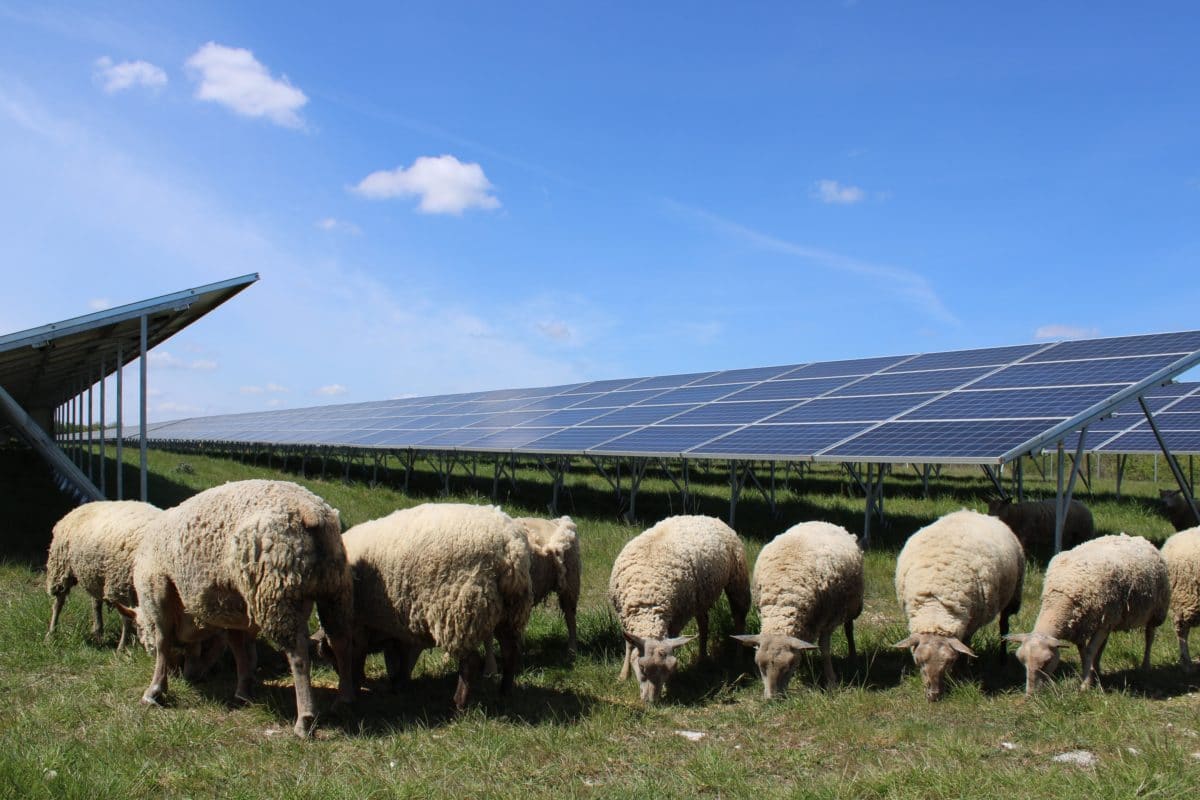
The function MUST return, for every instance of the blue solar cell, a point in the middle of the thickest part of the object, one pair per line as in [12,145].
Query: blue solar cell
[782,441]
[663,439]
[638,415]
[747,375]
[919,440]
[558,401]
[446,421]
[692,394]
[564,418]
[672,381]
[893,382]
[1056,403]
[1075,373]
[1142,441]
[575,440]
[789,389]
[454,438]
[731,413]
[618,399]
[604,386]
[1177,420]
[988,357]
[508,419]
[509,439]
[1174,343]
[852,409]
[1185,404]
[485,406]
[857,366]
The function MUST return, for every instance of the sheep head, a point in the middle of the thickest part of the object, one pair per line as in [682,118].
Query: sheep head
[934,655]
[777,657]
[655,663]
[1038,653]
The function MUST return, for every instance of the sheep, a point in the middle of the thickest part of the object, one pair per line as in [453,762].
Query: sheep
[1114,583]
[952,577]
[665,576]
[1175,506]
[444,575]
[807,581]
[1182,554]
[94,545]
[1033,522]
[246,557]
[554,566]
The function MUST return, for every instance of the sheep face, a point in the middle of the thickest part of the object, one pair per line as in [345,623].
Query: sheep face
[934,655]
[1038,653]
[655,663]
[777,657]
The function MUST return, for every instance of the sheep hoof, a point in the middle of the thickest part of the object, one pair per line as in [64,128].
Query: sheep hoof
[154,700]
[243,698]
[304,725]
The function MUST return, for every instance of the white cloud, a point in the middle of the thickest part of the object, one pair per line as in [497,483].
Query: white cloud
[233,77]
[99,304]
[275,387]
[444,184]
[251,390]
[270,388]
[332,390]
[1058,331]
[118,77]
[555,329]
[832,192]
[164,359]
[338,225]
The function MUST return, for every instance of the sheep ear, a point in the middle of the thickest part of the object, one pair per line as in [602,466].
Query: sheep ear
[126,611]
[905,644]
[678,641]
[1016,638]
[747,639]
[636,641]
[1053,642]
[799,645]
[960,647]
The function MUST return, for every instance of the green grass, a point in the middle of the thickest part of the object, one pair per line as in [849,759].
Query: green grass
[70,724]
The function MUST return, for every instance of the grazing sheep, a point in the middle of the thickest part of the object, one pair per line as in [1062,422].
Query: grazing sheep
[1114,583]
[664,577]
[554,567]
[953,577]
[1182,554]
[807,581]
[1033,522]
[439,575]
[243,558]
[93,546]
[1175,506]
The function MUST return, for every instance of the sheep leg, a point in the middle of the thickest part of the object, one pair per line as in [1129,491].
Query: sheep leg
[1087,657]
[510,654]
[126,630]
[467,666]
[489,657]
[702,624]
[401,659]
[827,657]
[297,656]
[627,662]
[158,683]
[242,644]
[1099,655]
[568,609]
[56,606]
[343,657]
[848,627]
[1181,633]
[1149,641]
[97,619]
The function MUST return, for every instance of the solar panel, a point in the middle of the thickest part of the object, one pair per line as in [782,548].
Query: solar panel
[970,405]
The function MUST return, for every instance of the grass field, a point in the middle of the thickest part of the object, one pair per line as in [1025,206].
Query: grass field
[71,726]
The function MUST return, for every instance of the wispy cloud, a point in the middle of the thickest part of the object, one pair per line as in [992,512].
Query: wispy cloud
[234,78]
[118,77]
[164,359]
[338,226]
[555,329]
[833,193]
[99,304]
[1060,331]
[270,388]
[912,287]
[444,184]
[332,390]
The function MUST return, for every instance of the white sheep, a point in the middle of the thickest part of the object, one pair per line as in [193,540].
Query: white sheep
[1182,554]
[1114,583]
[243,558]
[807,581]
[554,568]
[665,576]
[953,577]
[1033,522]
[93,545]
[439,575]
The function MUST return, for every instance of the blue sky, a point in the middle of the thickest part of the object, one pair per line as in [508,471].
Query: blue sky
[450,197]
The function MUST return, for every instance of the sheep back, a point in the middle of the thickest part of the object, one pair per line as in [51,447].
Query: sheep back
[1113,583]
[957,573]
[1033,522]
[95,545]
[666,575]
[808,580]
[253,552]
[445,574]
[554,550]
[1182,554]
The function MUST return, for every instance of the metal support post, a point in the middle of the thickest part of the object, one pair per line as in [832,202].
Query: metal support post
[142,407]
[1020,476]
[90,452]
[1184,487]
[637,471]
[996,481]
[120,424]
[1063,500]
[103,429]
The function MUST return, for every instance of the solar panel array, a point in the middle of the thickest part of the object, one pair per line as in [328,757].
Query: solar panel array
[969,406]
[1176,410]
